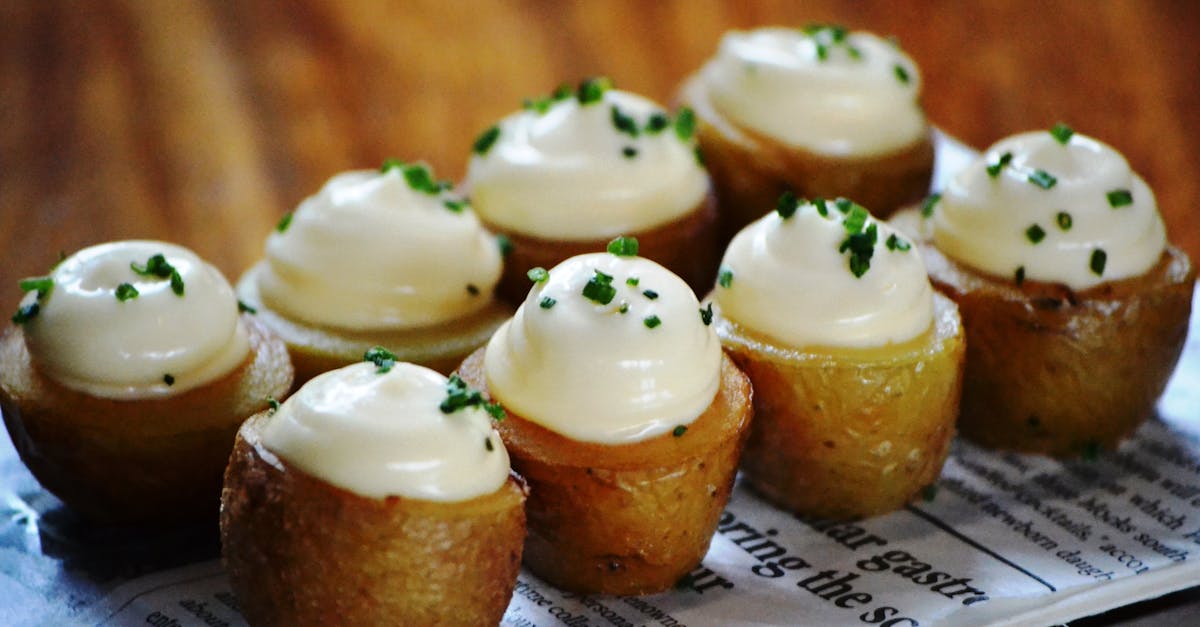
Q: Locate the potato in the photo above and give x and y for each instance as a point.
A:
(147, 461)
(316, 349)
(1065, 373)
(686, 246)
(844, 433)
(301, 551)
(750, 171)
(625, 519)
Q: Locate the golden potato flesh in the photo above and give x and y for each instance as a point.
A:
(316, 349)
(846, 433)
(687, 247)
(147, 461)
(301, 551)
(625, 519)
(1065, 373)
(750, 171)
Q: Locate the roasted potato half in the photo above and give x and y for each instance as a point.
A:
(686, 246)
(301, 551)
(315, 349)
(1063, 373)
(847, 433)
(147, 461)
(627, 519)
(750, 171)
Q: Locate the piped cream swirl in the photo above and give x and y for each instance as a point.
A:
(1054, 232)
(383, 434)
(788, 280)
(155, 344)
(592, 373)
(371, 252)
(570, 174)
(848, 95)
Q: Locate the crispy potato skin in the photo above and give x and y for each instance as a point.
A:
(849, 433)
(148, 461)
(627, 519)
(315, 350)
(301, 551)
(750, 170)
(686, 246)
(1058, 372)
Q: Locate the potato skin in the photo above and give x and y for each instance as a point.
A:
(148, 461)
(849, 433)
(301, 551)
(626, 519)
(1058, 372)
(750, 171)
(315, 350)
(686, 246)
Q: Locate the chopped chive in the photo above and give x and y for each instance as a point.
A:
(538, 274)
(1035, 233)
(623, 122)
(383, 358)
(244, 308)
(592, 90)
(1119, 198)
(391, 163)
(657, 123)
(1099, 258)
(679, 430)
(706, 315)
(168, 379)
(1019, 275)
(787, 204)
(895, 243)
(624, 246)
(725, 277)
(1042, 179)
(1064, 220)
(284, 222)
(930, 202)
(126, 291)
(685, 123)
(629, 152)
(1062, 133)
(547, 302)
(484, 142)
(993, 169)
(901, 73)
(505, 244)
(651, 322)
(599, 288)
(651, 294)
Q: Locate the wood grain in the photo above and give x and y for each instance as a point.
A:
(202, 122)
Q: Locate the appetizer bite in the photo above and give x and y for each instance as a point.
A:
(818, 111)
(625, 417)
(1075, 306)
(124, 377)
(388, 258)
(856, 363)
(577, 168)
(378, 494)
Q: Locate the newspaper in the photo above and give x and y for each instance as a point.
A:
(1003, 539)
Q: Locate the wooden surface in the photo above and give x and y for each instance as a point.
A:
(202, 122)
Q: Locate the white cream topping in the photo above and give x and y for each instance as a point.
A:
(990, 222)
(563, 174)
(370, 252)
(591, 373)
(788, 280)
(845, 97)
(383, 434)
(88, 340)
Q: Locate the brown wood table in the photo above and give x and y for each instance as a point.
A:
(203, 122)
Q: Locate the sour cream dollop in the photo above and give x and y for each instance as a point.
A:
(611, 360)
(572, 173)
(373, 251)
(821, 89)
(107, 330)
(384, 434)
(791, 280)
(1071, 213)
